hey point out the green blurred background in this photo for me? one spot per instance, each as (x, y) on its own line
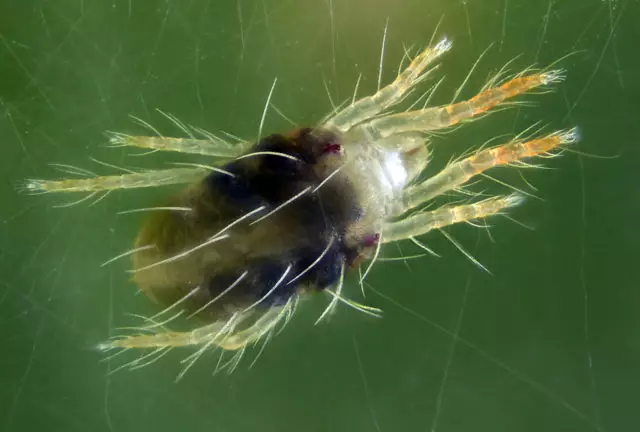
(549, 342)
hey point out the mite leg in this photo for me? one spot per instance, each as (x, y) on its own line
(224, 334)
(262, 327)
(458, 173)
(123, 181)
(210, 147)
(232, 340)
(441, 117)
(424, 222)
(393, 93)
(206, 336)
(162, 339)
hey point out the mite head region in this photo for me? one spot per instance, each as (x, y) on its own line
(260, 229)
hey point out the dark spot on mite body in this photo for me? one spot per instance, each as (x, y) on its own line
(265, 273)
(312, 225)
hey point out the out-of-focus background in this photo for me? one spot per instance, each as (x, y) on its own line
(550, 341)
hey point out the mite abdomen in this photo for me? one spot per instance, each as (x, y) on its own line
(264, 227)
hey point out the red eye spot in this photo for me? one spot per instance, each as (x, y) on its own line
(331, 147)
(371, 240)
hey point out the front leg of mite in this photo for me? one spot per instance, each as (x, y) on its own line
(386, 97)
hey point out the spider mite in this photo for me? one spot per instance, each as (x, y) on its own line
(260, 226)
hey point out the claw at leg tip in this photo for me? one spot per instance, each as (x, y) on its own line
(571, 136)
(444, 45)
(514, 200)
(554, 76)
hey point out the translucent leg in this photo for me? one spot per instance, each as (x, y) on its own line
(260, 328)
(460, 172)
(209, 147)
(424, 222)
(223, 334)
(386, 97)
(123, 181)
(429, 119)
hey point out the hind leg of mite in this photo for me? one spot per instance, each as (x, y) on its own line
(214, 146)
(93, 184)
(228, 335)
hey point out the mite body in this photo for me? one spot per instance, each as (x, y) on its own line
(262, 225)
(271, 224)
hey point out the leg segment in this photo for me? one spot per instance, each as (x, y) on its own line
(460, 172)
(210, 147)
(429, 119)
(124, 181)
(424, 222)
(386, 97)
(223, 334)
(260, 328)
